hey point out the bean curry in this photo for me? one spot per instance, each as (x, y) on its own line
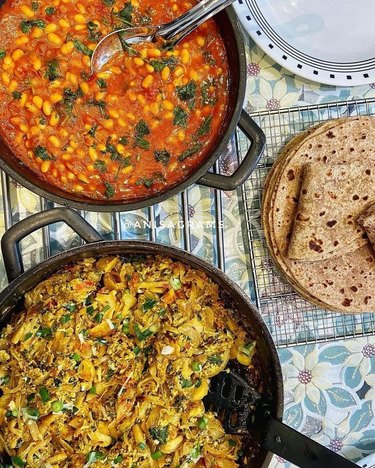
(141, 125)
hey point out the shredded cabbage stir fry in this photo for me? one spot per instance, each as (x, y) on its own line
(109, 363)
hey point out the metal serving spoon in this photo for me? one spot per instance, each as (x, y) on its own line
(172, 33)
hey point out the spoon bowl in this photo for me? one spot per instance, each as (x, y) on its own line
(121, 40)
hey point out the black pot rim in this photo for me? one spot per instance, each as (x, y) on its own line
(11, 295)
(116, 206)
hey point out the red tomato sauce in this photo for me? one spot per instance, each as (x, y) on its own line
(142, 124)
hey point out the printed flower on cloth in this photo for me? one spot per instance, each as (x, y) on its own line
(361, 354)
(305, 376)
(260, 65)
(347, 436)
(200, 205)
(271, 96)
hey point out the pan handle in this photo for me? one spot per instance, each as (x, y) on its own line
(302, 451)
(11, 239)
(258, 141)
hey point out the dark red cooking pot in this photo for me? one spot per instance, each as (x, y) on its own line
(268, 434)
(233, 40)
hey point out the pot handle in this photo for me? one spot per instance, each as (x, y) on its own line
(258, 141)
(302, 451)
(11, 239)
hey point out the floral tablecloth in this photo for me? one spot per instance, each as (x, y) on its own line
(329, 387)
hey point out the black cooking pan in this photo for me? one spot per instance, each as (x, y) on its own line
(233, 40)
(268, 434)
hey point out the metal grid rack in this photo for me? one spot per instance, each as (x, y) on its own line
(291, 319)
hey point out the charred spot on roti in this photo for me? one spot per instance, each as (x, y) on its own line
(336, 243)
(291, 175)
(367, 299)
(330, 134)
(315, 246)
(331, 223)
(355, 197)
(346, 302)
(354, 288)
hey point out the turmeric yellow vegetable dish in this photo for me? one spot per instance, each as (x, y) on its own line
(108, 365)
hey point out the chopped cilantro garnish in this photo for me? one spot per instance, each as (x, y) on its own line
(123, 140)
(82, 47)
(94, 34)
(16, 95)
(101, 83)
(142, 143)
(159, 434)
(159, 65)
(93, 130)
(187, 92)
(50, 10)
(205, 127)
(28, 24)
(109, 190)
(190, 151)
(42, 153)
(180, 116)
(162, 156)
(101, 105)
(125, 14)
(141, 129)
(2, 53)
(100, 166)
(52, 71)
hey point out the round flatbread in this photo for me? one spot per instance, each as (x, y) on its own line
(344, 283)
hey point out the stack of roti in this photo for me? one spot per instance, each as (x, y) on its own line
(318, 214)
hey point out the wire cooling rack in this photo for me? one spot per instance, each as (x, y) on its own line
(291, 319)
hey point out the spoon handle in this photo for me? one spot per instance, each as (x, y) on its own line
(179, 28)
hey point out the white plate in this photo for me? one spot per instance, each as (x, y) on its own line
(329, 41)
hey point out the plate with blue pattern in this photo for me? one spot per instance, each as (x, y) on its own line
(327, 41)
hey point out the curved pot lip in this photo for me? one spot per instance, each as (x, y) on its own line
(116, 206)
